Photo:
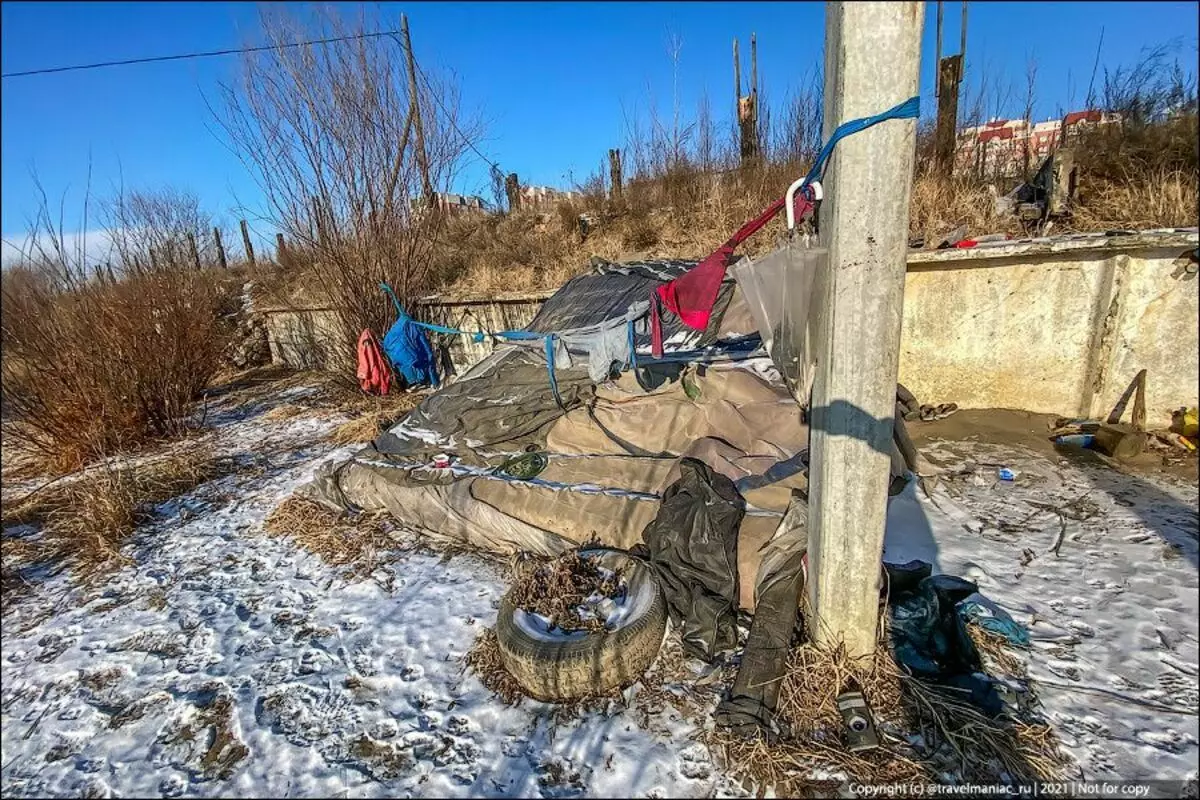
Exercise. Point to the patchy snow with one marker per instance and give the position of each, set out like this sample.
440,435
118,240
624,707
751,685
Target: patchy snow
221,638
1112,614
227,662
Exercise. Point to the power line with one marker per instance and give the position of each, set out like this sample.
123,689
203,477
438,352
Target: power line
184,56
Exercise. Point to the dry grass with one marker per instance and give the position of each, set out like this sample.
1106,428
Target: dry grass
997,652
939,205
359,544
484,660
1164,198
558,590
85,517
957,738
375,415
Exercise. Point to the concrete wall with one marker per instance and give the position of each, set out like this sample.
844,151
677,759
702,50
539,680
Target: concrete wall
306,338
1058,326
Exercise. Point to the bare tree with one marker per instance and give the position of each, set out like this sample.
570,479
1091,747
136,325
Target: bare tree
150,229
799,138
1030,96
328,131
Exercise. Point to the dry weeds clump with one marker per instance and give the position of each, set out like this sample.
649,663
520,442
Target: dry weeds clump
360,544
955,737
85,517
559,589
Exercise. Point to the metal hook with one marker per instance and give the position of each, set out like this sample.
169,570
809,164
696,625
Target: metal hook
790,200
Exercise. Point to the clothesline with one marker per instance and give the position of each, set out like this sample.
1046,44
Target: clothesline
690,296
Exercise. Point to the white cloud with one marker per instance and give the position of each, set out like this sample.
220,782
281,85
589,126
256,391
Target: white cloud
96,245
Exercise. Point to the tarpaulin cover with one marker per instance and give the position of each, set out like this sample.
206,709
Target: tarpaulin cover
692,547
609,289
612,449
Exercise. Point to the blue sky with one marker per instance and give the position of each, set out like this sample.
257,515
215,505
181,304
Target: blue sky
555,81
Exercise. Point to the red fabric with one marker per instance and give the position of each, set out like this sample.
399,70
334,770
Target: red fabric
374,375
692,294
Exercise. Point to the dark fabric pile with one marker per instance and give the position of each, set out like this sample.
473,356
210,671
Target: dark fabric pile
930,637
692,547
750,706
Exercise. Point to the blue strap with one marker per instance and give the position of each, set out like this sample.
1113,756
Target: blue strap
632,348
549,345
909,109
395,301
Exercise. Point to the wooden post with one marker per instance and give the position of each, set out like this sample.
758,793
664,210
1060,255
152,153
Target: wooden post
512,187
746,106
280,249
737,82
949,77
220,248
614,172
415,108
246,243
937,53
193,251
872,62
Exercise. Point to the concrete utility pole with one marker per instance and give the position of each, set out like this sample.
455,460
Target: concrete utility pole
872,62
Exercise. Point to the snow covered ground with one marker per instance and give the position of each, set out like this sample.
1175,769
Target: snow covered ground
228,662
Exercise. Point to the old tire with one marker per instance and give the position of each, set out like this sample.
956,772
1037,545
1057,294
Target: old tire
561,667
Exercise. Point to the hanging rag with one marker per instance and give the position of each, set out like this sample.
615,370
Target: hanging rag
374,376
605,344
692,295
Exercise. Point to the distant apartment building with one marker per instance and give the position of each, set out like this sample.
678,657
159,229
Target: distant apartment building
999,146
544,197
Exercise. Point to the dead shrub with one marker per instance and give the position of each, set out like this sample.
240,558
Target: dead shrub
91,368
640,233
332,140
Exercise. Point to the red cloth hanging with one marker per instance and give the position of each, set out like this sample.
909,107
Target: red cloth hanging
374,374
693,293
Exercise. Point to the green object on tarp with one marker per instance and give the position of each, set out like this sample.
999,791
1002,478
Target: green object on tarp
524,466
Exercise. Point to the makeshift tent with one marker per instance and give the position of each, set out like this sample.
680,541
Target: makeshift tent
611,448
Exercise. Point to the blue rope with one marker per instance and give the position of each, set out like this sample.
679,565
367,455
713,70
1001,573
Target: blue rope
909,109
477,336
